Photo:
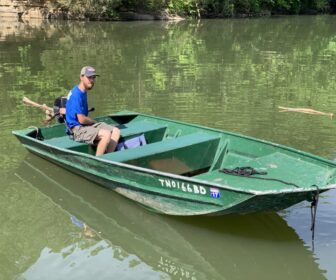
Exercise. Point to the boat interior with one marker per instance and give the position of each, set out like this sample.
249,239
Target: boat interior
189,150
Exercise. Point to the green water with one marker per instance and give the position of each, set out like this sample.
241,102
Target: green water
228,74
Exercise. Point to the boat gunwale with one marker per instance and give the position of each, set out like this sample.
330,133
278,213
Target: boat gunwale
192,179
238,135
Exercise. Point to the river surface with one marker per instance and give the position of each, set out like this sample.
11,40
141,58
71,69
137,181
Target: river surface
227,74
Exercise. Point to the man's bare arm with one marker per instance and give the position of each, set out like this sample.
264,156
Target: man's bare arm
84,120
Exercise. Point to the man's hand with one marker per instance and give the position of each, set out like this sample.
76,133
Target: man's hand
84,120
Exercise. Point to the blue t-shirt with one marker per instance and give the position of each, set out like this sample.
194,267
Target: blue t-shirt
76,104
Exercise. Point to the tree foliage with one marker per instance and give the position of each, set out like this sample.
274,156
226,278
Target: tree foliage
97,9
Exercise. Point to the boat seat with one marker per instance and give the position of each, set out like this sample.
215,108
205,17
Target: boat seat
167,145
126,130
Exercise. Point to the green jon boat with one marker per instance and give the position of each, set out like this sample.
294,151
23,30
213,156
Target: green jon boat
187,169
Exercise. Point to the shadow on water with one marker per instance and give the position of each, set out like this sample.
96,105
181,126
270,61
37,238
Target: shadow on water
259,246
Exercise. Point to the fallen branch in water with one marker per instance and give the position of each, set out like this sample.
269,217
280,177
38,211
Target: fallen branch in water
305,111
27,101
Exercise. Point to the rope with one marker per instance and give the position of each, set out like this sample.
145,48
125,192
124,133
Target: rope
243,171
313,211
248,171
37,130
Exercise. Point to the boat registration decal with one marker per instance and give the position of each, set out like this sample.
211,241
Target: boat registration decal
185,187
214,192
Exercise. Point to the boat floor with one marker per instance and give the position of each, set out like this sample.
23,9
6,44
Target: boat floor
283,172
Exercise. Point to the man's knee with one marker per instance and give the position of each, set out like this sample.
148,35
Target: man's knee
115,134
104,133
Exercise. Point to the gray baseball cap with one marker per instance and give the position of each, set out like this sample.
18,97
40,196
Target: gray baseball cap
88,71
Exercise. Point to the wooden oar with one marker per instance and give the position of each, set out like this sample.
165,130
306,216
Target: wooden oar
305,111
48,110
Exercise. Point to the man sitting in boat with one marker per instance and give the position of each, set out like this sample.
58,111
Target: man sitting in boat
84,128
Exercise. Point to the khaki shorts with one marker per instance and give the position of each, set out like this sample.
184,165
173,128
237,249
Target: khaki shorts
88,134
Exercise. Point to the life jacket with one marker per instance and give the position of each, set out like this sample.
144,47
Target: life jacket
59,108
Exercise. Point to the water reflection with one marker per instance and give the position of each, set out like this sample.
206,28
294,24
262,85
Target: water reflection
230,247
229,74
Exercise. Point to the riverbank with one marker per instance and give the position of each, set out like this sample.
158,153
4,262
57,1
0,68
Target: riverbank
157,9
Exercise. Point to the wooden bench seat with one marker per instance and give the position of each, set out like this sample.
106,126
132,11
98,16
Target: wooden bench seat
127,130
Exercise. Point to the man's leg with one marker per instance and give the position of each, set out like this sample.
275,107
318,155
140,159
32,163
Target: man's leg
115,135
104,139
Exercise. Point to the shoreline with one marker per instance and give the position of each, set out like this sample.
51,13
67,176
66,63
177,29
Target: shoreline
47,10
133,16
